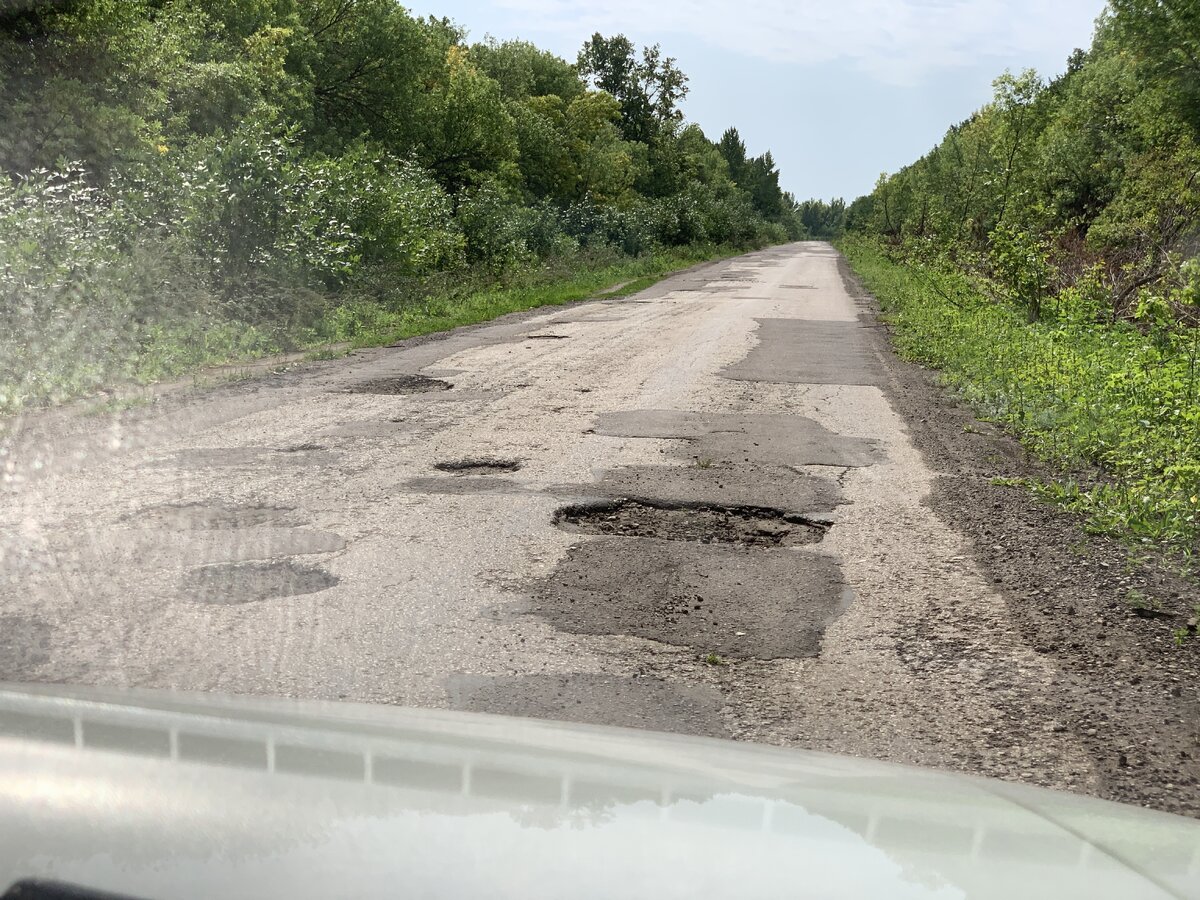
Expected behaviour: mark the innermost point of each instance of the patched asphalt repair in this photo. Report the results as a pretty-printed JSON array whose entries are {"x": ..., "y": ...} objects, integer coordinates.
[
  {"x": 693, "y": 566},
  {"x": 707, "y": 508}
]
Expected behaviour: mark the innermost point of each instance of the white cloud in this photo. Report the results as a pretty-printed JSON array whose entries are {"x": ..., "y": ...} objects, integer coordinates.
[{"x": 898, "y": 41}]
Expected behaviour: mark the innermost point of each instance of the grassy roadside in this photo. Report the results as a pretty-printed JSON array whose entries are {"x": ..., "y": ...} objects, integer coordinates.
[
  {"x": 194, "y": 348},
  {"x": 367, "y": 323},
  {"x": 1112, "y": 407}
]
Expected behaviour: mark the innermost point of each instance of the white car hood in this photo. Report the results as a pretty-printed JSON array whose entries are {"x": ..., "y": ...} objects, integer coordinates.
[{"x": 177, "y": 795}]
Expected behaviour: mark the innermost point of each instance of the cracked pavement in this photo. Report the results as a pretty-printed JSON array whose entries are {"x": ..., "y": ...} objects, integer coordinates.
[{"x": 343, "y": 530}]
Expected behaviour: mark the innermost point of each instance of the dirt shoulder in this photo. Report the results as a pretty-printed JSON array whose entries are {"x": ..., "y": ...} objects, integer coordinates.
[{"x": 1127, "y": 692}]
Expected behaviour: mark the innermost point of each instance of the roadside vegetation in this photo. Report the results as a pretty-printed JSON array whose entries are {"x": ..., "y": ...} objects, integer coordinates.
[
  {"x": 187, "y": 183},
  {"x": 1044, "y": 256}
]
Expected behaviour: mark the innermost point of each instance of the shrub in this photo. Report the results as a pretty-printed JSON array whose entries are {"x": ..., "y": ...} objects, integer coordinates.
[{"x": 1073, "y": 389}]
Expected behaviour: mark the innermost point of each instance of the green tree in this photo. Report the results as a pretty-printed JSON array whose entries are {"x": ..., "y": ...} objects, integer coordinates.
[
  {"x": 649, "y": 89},
  {"x": 733, "y": 149},
  {"x": 367, "y": 62},
  {"x": 1165, "y": 34},
  {"x": 467, "y": 133},
  {"x": 523, "y": 71}
]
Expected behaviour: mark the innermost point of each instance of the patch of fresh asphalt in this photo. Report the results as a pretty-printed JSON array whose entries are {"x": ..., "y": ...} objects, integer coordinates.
[
  {"x": 294, "y": 535},
  {"x": 229, "y": 583},
  {"x": 802, "y": 351},
  {"x": 732, "y": 438},
  {"x": 204, "y": 516},
  {"x": 24, "y": 644},
  {"x": 461, "y": 485}
]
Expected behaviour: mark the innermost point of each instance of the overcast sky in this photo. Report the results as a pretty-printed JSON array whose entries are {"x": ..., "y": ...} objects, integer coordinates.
[{"x": 838, "y": 90}]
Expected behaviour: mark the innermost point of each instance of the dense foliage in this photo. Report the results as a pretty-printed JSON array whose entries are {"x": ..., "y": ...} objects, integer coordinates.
[
  {"x": 1047, "y": 252},
  {"x": 185, "y": 180}
]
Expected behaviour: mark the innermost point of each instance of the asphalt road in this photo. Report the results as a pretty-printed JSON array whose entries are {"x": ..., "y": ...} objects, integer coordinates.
[{"x": 695, "y": 509}]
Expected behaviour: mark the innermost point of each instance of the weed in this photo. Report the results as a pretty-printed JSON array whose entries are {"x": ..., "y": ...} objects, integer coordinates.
[
  {"x": 704, "y": 462},
  {"x": 119, "y": 404},
  {"x": 1008, "y": 481},
  {"x": 1140, "y": 602},
  {"x": 1133, "y": 562},
  {"x": 714, "y": 659},
  {"x": 1189, "y": 630},
  {"x": 324, "y": 353}
]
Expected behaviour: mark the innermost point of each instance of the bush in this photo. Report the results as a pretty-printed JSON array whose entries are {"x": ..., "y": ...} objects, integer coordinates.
[
  {"x": 1073, "y": 389},
  {"x": 397, "y": 215},
  {"x": 492, "y": 226},
  {"x": 70, "y": 291}
]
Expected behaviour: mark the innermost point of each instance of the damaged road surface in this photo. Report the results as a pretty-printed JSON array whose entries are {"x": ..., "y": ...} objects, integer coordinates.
[{"x": 696, "y": 509}]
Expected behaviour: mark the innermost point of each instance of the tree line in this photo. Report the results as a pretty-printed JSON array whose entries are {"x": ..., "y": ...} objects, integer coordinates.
[
  {"x": 257, "y": 161},
  {"x": 496, "y": 150},
  {"x": 1044, "y": 257},
  {"x": 1089, "y": 181}
]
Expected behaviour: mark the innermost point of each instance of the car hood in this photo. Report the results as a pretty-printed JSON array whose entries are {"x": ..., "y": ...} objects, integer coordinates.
[{"x": 180, "y": 795}]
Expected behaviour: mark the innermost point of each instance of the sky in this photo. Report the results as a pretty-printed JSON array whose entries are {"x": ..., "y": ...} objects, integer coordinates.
[{"x": 838, "y": 90}]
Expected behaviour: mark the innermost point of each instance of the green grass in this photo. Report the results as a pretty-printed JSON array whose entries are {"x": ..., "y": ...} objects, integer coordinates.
[
  {"x": 1086, "y": 396},
  {"x": 180, "y": 348},
  {"x": 118, "y": 405},
  {"x": 369, "y": 322},
  {"x": 50, "y": 370}
]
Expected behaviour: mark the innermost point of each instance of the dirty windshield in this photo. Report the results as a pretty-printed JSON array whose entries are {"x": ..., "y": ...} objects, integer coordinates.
[{"x": 576, "y": 362}]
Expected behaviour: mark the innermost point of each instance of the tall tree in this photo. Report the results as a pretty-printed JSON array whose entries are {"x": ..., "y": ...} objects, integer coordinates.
[
  {"x": 1165, "y": 34},
  {"x": 734, "y": 150},
  {"x": 649, "y": 89}
]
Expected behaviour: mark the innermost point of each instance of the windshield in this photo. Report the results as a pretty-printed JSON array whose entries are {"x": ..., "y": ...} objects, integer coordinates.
[{"x": 488, "y": 358}]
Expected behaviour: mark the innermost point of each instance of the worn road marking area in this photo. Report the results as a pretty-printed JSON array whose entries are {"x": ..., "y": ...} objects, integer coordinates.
[{"x": 694, "y": 509}]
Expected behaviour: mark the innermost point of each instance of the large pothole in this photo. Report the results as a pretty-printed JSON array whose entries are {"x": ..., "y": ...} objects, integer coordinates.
[
  {"x": 399, "y": 384},
  {"x": 698, "y": 523},
  {"x": 478, "y": 465},
  {"x": 233, "y": 583}
]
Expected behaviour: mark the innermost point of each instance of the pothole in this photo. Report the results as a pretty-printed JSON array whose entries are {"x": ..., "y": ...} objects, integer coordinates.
[
  {"x": 232, "y": 583},
  {"x": 699, "y": 523},
  {"x": 482, "y": 465},
  {"x": 547, "y": 337},
  {"x": 206, "y": 516},
  {"x": 399, "y": 384}
]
